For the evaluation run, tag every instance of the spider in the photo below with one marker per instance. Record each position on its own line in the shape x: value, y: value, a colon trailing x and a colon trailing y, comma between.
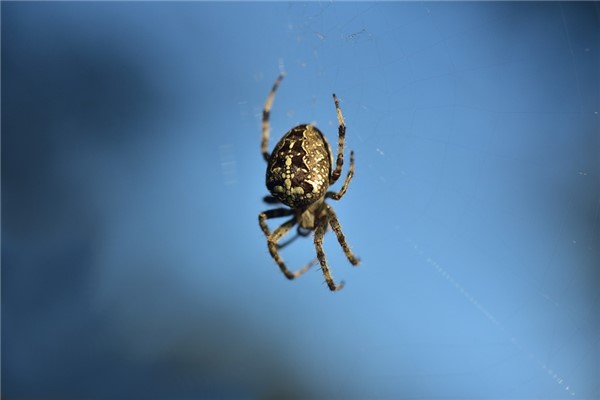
x: 299, y: 172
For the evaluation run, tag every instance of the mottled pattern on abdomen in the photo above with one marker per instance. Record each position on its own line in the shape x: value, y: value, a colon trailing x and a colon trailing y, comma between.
x: 300, y: 166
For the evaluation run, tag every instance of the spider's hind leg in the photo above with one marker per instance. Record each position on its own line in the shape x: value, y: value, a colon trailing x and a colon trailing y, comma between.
x: 319, y: 233
x: 337, y: 228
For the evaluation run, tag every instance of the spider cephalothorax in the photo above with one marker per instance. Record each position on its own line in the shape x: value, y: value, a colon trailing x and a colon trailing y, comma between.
x: 299, y: 172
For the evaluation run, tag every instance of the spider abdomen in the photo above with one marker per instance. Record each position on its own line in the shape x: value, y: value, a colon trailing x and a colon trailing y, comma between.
x: 299, y: 168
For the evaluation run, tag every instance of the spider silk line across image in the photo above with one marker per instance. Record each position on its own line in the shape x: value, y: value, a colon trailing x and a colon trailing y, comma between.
x: 141, y: 141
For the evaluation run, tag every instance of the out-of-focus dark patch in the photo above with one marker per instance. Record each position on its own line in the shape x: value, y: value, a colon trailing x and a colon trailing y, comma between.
x: 63, y: 92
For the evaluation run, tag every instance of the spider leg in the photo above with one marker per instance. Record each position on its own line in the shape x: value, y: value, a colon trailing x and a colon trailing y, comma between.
x: 342, y: 192
x: 274, y: 238
x: 287, y: 242
x: 319, y: 233
x: 271, y: 200
x: 265, y: 119
x: 341, y: 136
x: 274, y: 213
x: 300, y: 232
x: 335, y: 225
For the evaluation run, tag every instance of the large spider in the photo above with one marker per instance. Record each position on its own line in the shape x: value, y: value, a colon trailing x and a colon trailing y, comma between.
x: 299, y: 172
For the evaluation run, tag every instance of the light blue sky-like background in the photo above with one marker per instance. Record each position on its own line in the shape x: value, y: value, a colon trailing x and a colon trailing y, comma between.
x: 132, y: 260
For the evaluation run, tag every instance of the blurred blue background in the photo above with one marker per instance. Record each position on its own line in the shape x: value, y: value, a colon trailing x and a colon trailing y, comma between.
x: 133, y: 265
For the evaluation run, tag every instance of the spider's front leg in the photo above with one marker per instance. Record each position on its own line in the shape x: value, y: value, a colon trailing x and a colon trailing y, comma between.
x: 342, y: 192
x: 265, y: 120
x: 274, y: 238
x: 341, y: 137
x: 319, y: 234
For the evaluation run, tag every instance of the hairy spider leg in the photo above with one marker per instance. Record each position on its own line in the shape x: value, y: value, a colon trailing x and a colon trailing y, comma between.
x: 299, y: 233
x: 269, y: 214
x: 342, y: 192
x: 319, y: 234
x: 274, y: 238
x: 265, y: 120
x: 341, y: 136
x: 337, y: 228
x: 276, y: 213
